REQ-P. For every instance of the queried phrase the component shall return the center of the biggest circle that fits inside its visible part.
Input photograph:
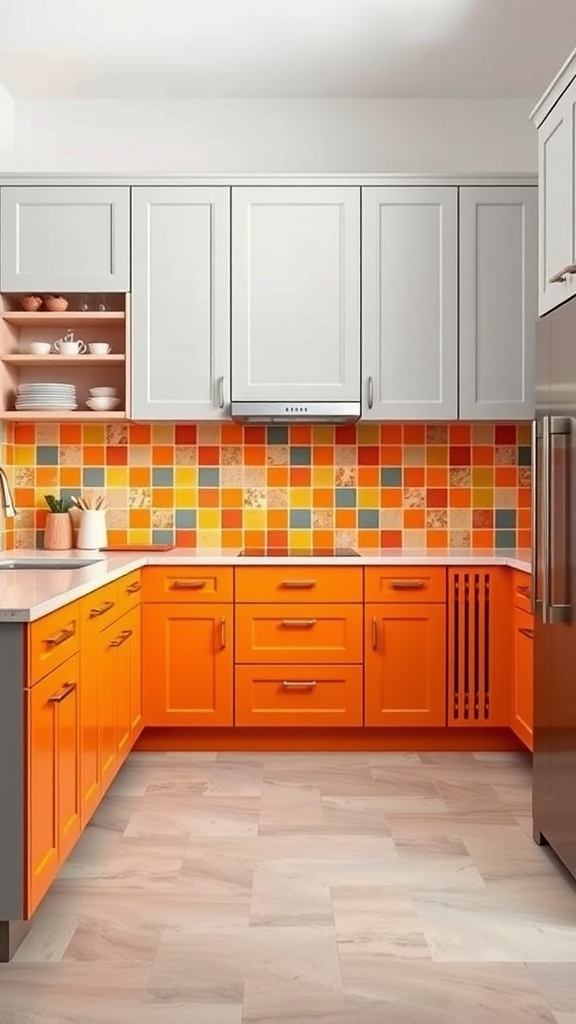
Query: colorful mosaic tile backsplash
(387, 485)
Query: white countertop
(27, 594)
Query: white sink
(46, 563)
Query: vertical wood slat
(469, 646)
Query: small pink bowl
(31, 303)
(55, 303)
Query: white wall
(6, 127)
(271, 136)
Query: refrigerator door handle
(546, 532)
(559, 432)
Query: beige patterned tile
(437, 433)
(231, 455)
(277, 455)
(140, 497)
(524, 476)
(414, 455)
(322, 519)
(208, 433)
(505, 455)
(460, 476)
(186, 455)
(254, 476)
(139, 455)
(436, 518)
(277, 497)
(345, 455)
(390, 518)
(70, 455)
(459, 539)
(414, 497)
(345, 476)
(116, 433)
(231, 476)
(255, 497)
(414, 539)
(24, 476)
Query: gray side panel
(12, 773)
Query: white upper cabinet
(557, 176)
(296, 294)
(71, 239)
(498, 274)
(410, 303)
(180, 303)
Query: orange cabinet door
(405, 665)
(296, 583)
(89, 726)
(324, 633)
(298, 695)
(523, 699)
(128, 703)
(134, 623)
(130, 591)
(522, 586)
(405, 583)
(187, 668)
(53, 823)
(107, 663)
(53, 639)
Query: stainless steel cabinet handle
(221, 400)
(61, 695)
(374, 634)
(293, 684)
(299, 623)
(223, 633)
(370, 392)
(527, 632)
(58, 638)
(101, 609)
(188, 584)
(561, 276)
(298, 584)
(406, 584)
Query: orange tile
(322, 497)
(391, 455)
(524, 499)
(231, 497)
(414, 433)
(300, 433)
(482, 538)
(524, 538)
(277, 538)
(277, 476)
(231, 518)
(368, 476)
(437, 477)
(162, 497)
(24, 433)
(117, 537)
(483, 455)
(139, 518)
(437, 455)
(459, 433)
(139, 433)
(231, 433)
(46, 476)
(70, 433)
(391, 538)
(24, 497)
(415, 476)
(391, 497)
(208, 497)
(414, 518)
(300, 476)
(345, 518)
(185, 538)
(93, 455)
(277, 518)
(437, 539)
(505, 476)
(254, 538)
(255, 455)
(323, 455)
(368, 539)
(139, 476)
(162, 455)
(70, 476)
(390, 433)
(524, 517)
(460, 497)
(231, 538)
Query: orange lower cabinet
(308, 633)
(128, 704)
(107, 703)
(52, 776)
(89, 729)
(523, 694)
(298, 695)
(134, 622)
(187, 666)
(405, 665)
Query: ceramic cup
(92, 533)
(69, 348)
(99, 348)
(39, 348)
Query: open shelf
(70, 318)
(21, 359)
(63, 414)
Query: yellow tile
(25, 455)
(138, 536)
(209, 538)
(369, 497)
(368, 433)
(300, 538)
(162, 433)
(117, 476)
(323, 476)
(482, 477)
(208, 518)
(322, 433)
(185, 476)
(482, 497)
(94, 433)
(300, 497)
(254, 519)
(185, 497)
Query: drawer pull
(299, 623)
(101, 609)
(524, 591)
(223, 633)
(189, 584)
(61, 695)
(299, 684)
(561, 276)
(121, 638)
(61, 637)
(527, 632)
(134, 587)
(374, 634)
(298, 584)
(406, 584)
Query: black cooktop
(298, 553)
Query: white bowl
(39, 348)
(103, 404)
(103, 392)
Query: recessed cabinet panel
(498, 286)
(557, 202)
(410, 303)
(181, 300)
(296, 294)
(65, 239)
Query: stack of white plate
(36, 397)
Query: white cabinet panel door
(71, 239)
(296, 294)
(409, 303)
(498, 261)
(557, 203)
(180, 303)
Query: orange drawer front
(130, 591)
(185, 583)
(405, 583)
(99, 608)
(522, 588)
(288, 695)
(53, 639)
(296, 583)
(329, 634)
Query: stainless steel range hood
(295, 412)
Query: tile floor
(305, 889)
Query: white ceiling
(294, 48)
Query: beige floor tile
(377, 922)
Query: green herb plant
(57, 504)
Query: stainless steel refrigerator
(554, 583)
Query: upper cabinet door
(410, 303)
(180, 303)
(498, 257)
(296, 294)
(557, 202)
(69, 239)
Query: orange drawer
(130, 591)
(185, 583)
(522, 587)
(285, 695)
(99, 608)
(296, 583)
(52, 639)
(329, 634)
(405, 583)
